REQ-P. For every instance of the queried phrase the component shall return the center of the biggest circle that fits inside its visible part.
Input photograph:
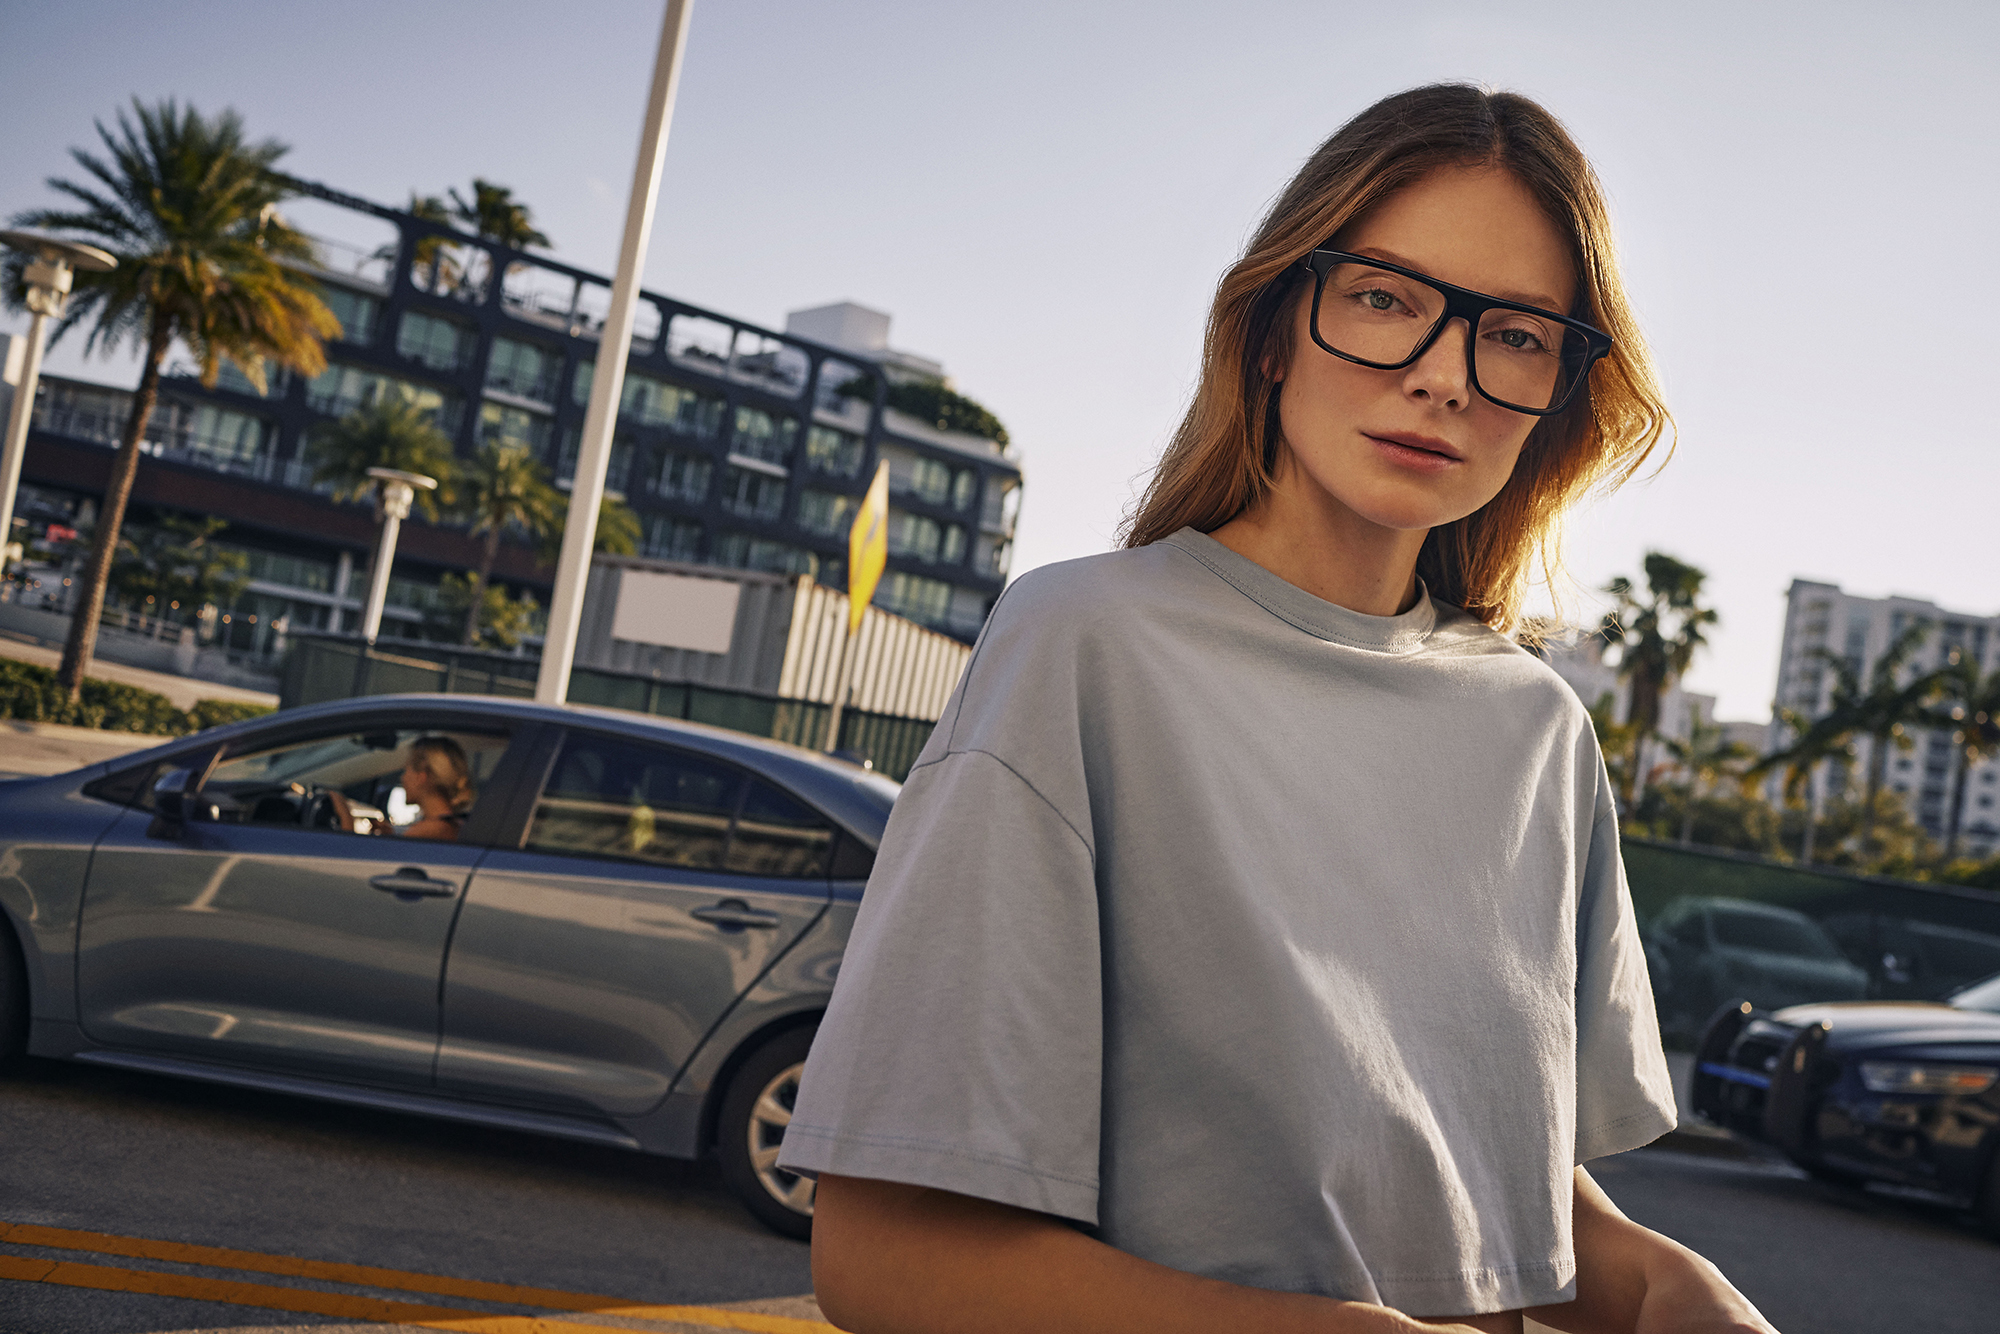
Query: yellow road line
(238, 1293)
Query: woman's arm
(895, 1259)
(1632, 1280)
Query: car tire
(13, 998)
(752, 1126)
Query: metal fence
(1720, 926)
(323, 667)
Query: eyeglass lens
(1520, 360)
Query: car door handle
(736, 913)
(411, 880)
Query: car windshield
(1980, 996)
(1773, 933)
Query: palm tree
(505, 487)
(177, 565)
(495, 214)
(189, 209)
(1814, 741)
(1974, 717)
(1656, 640)
(1704, 755)
(389, 432)
(1883, 709)
(617, 531)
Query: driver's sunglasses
(1385, 316)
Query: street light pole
(608, 383)
(398, 489)
(48, 277)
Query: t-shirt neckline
(1404, 633)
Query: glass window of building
(835, 453)
(745, 552)
(768, 436)
(235, 436)
(684, 477)
(953, 550)
(653, 402)
(339, 390)
(440, 344)
(1003, 500)
(703, 342)
(925, 601)
(230, 376)
(271, 567)
(827, 512)
(515, 428)
(526, 369)
(964, 486)
(753, 495)
(355, 312)
(930, 480)
(668, 538)
(914, 535)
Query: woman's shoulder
(1082, 592)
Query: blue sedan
(622, 929)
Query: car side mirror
(176, 801)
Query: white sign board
(676, 611)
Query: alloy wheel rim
(769, 1115)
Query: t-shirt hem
(1634, 1131)
(1479, 1291)
(810, 1150)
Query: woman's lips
(1416, 455)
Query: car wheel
(13, 998)
(755, 1113)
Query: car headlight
(1926, 1077)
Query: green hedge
(30, 694)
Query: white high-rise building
(1820, 618)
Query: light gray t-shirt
(1284, 944)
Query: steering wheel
(317, 811)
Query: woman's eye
(1519, 340)
(1376, 299)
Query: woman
(437, 781)
(1249, 948)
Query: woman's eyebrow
(1540, 300)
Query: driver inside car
(436, 780)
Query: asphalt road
(143, 1157)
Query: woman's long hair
(444, 761)
(1224, 457)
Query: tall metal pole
(608, 383)
(19, 414)
(398, 489)
(48, 277)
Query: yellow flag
(867, 547)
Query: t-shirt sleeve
(962, 1047)
(1624, 1095)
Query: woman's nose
(1442, 375)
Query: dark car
(1904, 1092)
(627, 938)
(1701, 952)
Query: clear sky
(1043, 195)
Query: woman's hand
(1685, 1294)
(1632, 1280)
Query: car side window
(1688, 931)
(356, 782)
(778, 835)
(636, 802)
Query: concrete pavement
(184, 691)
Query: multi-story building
(735, 445)
(1581, 665)
(1822, 620)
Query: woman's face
(416, 779)
(1419, 447)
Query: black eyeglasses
(1385, 316)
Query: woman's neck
(1327, 549)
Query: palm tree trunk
(1878, 760)
(488, 554)
(1957, 804)
(84, 613)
